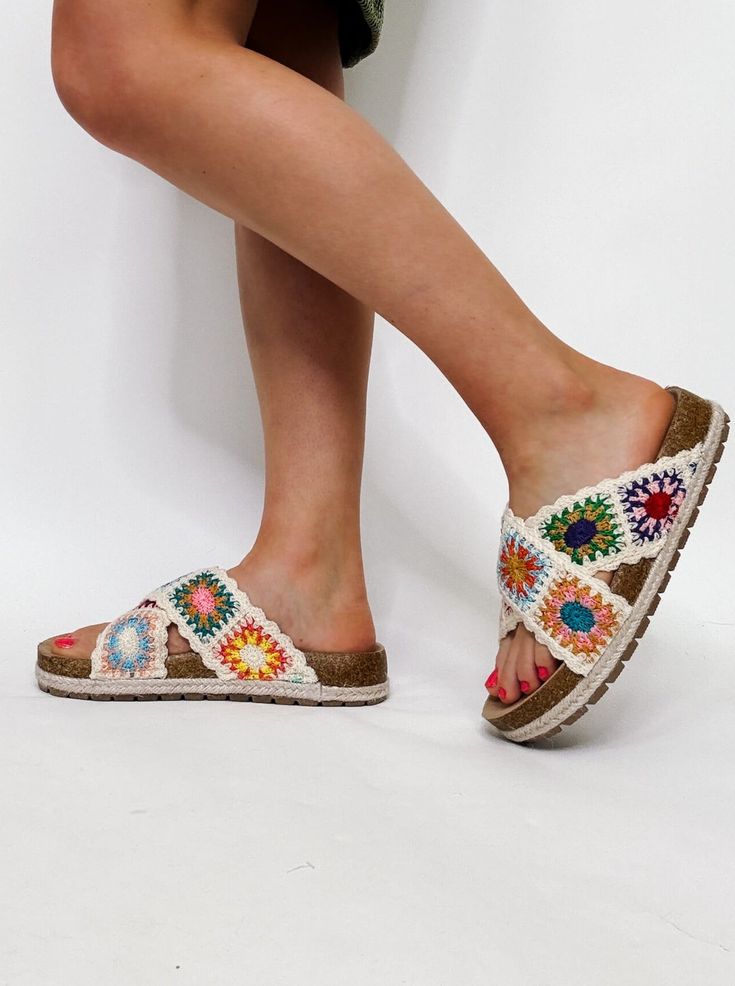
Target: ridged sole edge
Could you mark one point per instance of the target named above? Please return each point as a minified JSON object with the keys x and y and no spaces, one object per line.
{"x":212,"y":689}
{"x":539,"y":729}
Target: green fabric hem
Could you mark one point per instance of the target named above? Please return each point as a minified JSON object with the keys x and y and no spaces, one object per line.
{"x":361,"y":22}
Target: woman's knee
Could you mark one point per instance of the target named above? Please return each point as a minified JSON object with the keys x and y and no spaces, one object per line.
{"x":103,"y":66}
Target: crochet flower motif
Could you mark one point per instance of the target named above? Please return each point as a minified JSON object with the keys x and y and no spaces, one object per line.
{"x":586,"y":530}
{"x":251,"y":653}
{"x":129,"y":647}
{"x":521,"y":569}
{"x":652,"y":503}
{"x":578,"y":618}
{"x":205,"y":603}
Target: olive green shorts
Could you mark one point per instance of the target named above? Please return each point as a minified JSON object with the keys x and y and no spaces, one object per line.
{"x":360,"y":23}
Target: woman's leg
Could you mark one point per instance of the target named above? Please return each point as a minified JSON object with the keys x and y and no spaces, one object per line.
{"x":169,"y":85}
{"x":309,"y":346}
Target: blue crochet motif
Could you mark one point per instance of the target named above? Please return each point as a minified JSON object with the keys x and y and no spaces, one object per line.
{"x":577,"y":617}
{"x":132,"y":652}
{"x":580,"y":532}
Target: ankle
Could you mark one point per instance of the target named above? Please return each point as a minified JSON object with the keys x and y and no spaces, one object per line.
{"x":567,"y":389}
{"x":328,"y":569}
{"x":576,"y":389}
{"x":607,"y":422}
{"x":575,"y":386}
{"x":317,"y":597}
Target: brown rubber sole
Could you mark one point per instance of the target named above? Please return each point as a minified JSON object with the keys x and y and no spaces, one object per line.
{"x":345,"y":679}
{"x":523,"y":721}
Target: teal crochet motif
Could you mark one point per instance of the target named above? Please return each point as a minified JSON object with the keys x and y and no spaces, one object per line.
{"x":577,"y":617}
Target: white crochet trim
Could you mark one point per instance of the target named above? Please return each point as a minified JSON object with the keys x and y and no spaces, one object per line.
{"x":558,"y":565}
{"x":156,"y":635}
{"x":159,"y":610}
{"x":297,"y":670}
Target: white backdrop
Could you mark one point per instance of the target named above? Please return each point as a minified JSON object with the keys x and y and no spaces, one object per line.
{"x":589,"y":148}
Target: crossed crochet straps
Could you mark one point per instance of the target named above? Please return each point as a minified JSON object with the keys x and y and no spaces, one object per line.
{"x":234,"y":638}
{"x":545,"y":562}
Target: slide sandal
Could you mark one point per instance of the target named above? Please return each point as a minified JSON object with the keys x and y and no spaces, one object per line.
{"x":634,"y":526}
{"x":236,"y":653}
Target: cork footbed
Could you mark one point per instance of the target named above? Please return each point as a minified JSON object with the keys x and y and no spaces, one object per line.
{"x":689,"y":425}
{"x":357,"y":673}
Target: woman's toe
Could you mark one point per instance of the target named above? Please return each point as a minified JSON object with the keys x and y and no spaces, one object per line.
{"x":492,"y":684}
{"x":528,"y":680}
{"x":522,"y":665}
{"x":79,"y":643}
{"x":509,"y":689}
{"x":544,"y":662}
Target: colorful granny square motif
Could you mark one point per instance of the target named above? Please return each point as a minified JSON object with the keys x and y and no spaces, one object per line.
{"x":133,"y":646}
{"x":205,"y":603}
{"x":652,"y":503}
{"x":251,"y":653}
{"x":578,"y":618}
{"x":585,"y":531}
{"x":521,"y":569}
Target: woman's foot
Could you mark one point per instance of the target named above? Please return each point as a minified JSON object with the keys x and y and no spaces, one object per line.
{"x":615,"y":423}
{"x":317,"y":606}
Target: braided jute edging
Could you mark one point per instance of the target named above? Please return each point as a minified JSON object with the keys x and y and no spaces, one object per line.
{"x":592,"y":687}
{"x":281,"y":692}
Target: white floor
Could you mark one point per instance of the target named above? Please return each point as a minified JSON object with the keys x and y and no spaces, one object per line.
{"x":198,"y":843}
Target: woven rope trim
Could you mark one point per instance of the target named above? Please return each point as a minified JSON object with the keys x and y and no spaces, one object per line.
{"x":212,"y":686}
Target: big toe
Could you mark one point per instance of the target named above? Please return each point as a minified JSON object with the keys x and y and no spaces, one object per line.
{"x":81,"y":642}
{"x":545,"y":664}
{"x":78,"y":643}
{"x":492,"y":684}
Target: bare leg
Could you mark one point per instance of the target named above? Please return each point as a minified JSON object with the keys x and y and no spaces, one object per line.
{"x":309,"y":346}
{"x":169,"y":85}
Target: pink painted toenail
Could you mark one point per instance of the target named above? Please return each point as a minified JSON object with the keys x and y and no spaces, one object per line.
{"x":525,"y":686}
{"x":65,"y":641}
{"x":492,"y":680}
{"x":502,"y":694}
{"x":542,"y":672}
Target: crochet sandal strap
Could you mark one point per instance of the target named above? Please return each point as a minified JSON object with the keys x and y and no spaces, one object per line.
{"x":545,"y":562}
{"x":233,"y":638}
